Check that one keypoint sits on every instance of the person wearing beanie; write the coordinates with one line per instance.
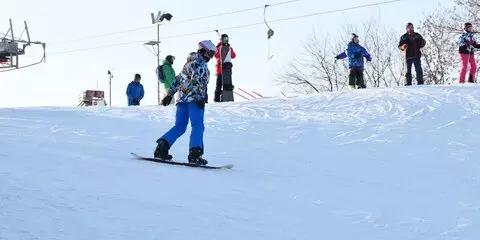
(224, 56)
(411, 44)
(355, 53)
(135, 91)
(467, 44)
(168, 74)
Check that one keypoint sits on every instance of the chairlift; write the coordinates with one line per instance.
(11, 49)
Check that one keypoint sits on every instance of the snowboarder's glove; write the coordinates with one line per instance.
(166, 100)
(206, 98)
(358, 55)
(136, 101)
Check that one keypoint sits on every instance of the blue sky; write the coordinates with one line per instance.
(64, 76)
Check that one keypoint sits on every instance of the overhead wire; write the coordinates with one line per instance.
(336, 10)
(240, 26)
(170, 23)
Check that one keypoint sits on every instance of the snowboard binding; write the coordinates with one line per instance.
(161, 151)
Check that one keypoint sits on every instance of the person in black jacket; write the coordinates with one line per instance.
(411, 43)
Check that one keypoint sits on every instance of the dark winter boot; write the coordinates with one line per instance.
(408, 80)
(360, 81)
(195, 156)
(162, 150)
(470, 78)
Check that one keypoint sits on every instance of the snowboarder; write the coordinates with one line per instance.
(411, 42)
(191, 84)
(135, 91)
(355, 53)
(467, 44)
(169, 75)
(224, 65)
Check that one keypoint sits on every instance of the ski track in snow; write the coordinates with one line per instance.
(397, 163)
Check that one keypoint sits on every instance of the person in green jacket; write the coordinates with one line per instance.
(169, 74)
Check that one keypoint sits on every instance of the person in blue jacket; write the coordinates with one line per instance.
(355, 53)
(135, 91)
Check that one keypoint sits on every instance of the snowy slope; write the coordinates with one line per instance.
(373, 164)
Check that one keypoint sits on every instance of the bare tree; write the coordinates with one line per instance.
(385, 69)
(440, 55)
(315, 71)
(466, 11)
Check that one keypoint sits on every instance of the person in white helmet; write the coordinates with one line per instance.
(191, 85)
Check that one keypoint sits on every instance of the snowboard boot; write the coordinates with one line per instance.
(195, 156)
(162, 150)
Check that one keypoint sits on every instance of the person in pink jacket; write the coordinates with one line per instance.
(467, 44)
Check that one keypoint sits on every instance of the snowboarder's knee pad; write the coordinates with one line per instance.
(228, 87)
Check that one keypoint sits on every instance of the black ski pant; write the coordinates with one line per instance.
(220, 85)
(418, 70)
(355, 78)
(218, 89)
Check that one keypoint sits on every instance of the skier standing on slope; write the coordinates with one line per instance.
(411, 42)
(355, 53)
(191, 84)
(467, 44)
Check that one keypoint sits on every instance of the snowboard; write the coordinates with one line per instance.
(227, 94)
(171, 162)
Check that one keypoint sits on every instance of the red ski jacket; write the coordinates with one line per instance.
(224, 54)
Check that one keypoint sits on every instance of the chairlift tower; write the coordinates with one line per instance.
(11, 49)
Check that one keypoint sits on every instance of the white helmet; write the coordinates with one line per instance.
(209, 48)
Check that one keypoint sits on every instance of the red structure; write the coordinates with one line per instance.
(92, 98)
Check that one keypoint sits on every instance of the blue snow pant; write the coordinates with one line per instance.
(186, 111)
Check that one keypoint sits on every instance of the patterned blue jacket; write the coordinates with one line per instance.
(467, 42)
(355, 54)
(191, 83)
